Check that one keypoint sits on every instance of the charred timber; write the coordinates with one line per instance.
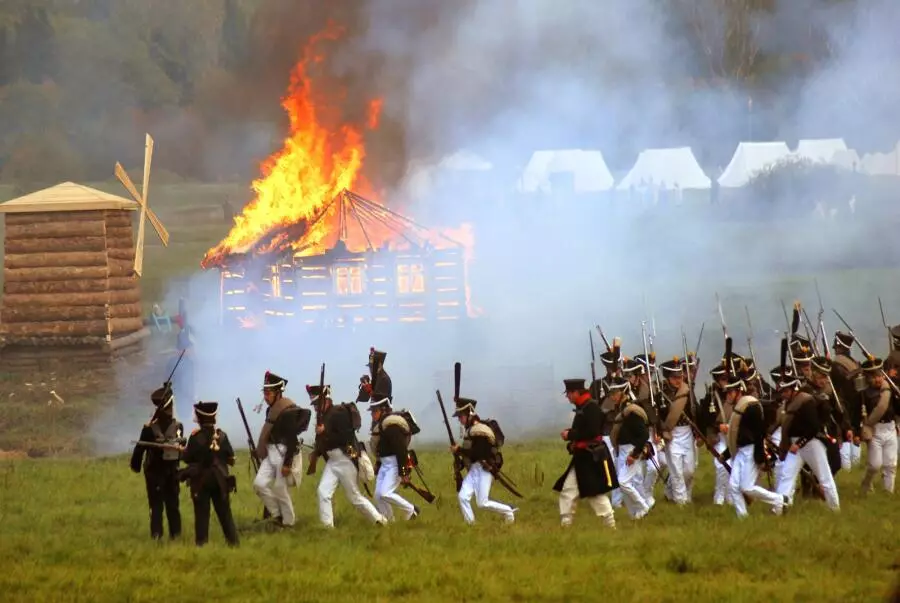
(66, 244)
(100, 298)
(55, 260)
(51, 230)
(13, 275)
(30, 314)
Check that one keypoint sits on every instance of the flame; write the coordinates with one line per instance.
(314, 165)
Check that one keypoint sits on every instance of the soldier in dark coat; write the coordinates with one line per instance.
(849, 382)
(380, 387)
(591, 473)
(161, 464)
(208, 455)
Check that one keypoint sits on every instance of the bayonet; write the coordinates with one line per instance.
(866, 352)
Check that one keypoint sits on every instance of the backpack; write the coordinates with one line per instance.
(408, 417)
(355, 418)
(499, 438)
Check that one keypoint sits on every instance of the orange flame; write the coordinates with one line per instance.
(313, 166)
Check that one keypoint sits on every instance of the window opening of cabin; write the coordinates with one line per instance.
(410, 278)
(341, 280)
(348, 280)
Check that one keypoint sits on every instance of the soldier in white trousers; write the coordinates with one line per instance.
(630, 438)
(799, 444)
(746, 445)
(677, 432)
(479, 451)
(878, 429)
(390, 438)
(277, 449)
(337, 426)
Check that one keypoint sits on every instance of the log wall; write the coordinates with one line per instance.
(69, 281)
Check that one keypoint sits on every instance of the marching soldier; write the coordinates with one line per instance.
(336, 429)
(380, 385)
(800, 351)
(611, 362)
(208, 456)
(481, 456)
(276, 449)
(391, 435)
(640, 382)
(835, 425)
(631, 440)
(849, 383)
(878, 428)
(712, 417)
(748, 451)
(591, 473)
(677, 432)
(800, 444)
(609, 411)
(160, 464)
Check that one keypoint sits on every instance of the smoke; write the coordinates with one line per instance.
(504, 79)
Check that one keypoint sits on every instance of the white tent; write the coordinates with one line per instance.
(821, 150)
(587, 168)
(670, 169)
(465, 161)
(750, 158)
(422, 176)
(849, 160)
(882, 164)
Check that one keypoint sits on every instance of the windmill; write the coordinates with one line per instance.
(146, 212)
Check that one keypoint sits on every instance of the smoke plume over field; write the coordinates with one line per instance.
(503, 79)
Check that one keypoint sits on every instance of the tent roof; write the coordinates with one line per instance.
(588, 168)
(669, 168)
(821, 149)
(750, 158)
(67, 196)
(465, 161)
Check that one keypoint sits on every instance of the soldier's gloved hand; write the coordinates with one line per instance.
(285, 470)
(723, 428)
(629, 460)
(794, 449)
(367, 387)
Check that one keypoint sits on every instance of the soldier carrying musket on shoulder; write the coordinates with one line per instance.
(712, 417)
(390, 438)
(635, 370)
(677, 431)
(878, 428)
(835, 424)
(631, 443)
(849, 383)
(591, 473)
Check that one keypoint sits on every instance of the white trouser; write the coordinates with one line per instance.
(651, 474)
(478, 483)
(779, 466)
(276, 497)
(722, 492)
(881, 456)
(744, 473)
(568, 498)
(682, 457)
(615, 495)
(813, 454)
(386, 483)
(630, 482)
(850, 455)
(339, 469)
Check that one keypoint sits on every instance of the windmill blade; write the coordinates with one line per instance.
(139, 248)
(158, 226)
(122, 175)
(154, 220)
(148, 158)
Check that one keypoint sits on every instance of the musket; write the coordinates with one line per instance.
(157, 445)
(254, 456)
(750, 348)
(426, 495)
(728, 357)
(699, 434)
(504, 481)
(457, 459)
(890, 382)
(603, 337)
(593, 358)
(319, 439)
(647, 362)
(699, 341)
(886, 326)
(789, 334)
(651, 358)
(821, 329)
(807, 326)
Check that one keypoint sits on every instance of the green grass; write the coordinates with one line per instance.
(77, 530)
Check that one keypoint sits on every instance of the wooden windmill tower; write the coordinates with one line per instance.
(146, 212)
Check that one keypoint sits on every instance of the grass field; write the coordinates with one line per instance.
(77, 530)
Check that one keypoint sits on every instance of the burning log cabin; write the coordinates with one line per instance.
(355, 262)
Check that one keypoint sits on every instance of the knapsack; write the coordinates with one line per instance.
(408, 417)
(499, 438)
(355, 418)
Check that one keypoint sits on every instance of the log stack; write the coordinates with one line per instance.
(69, 291)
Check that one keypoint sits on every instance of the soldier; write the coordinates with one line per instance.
(800, 351)
(712, 418)
(480, 454)
(639, 381)
(631, 439)
(380, 385)
(748, 451)
(277, 448)
(878, 429)
(717, 435)
(608, 411)
(835, 425)
(849, 383)
(391, 435)
(611, 362)
(799, 443)
(208, 456)
(677, 432)
(161, 464)
(591, 473)
(336, 431)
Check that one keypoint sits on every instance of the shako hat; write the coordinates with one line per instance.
(315, 393)
(775, 373)
(618, 384)
(690, 361)
(574, 385)
(633, 366)
(718, 371)
(788, 381)
(642, 360)
(376, 358)
(609, 358)
(467, 405)
(895, 337)
(273, 381)
(206, 411)
(845, 340)
(734, 382)
(747, 371)
(163, 396)
(672, 367)
(821, 364)
(872, 365)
